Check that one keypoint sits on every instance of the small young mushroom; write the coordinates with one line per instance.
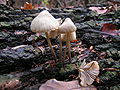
(72, 37)
(67, 28)
(88, 72)
(54, 33)
(45, 23)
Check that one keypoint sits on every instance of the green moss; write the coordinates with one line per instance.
(4, 78)
(4, 24)
(117, 66)
(116, 87)
(28, 19)
(67, 68)
(109, 78)
(106, 63)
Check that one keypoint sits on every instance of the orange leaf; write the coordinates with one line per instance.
(73, 41)
(27, 6)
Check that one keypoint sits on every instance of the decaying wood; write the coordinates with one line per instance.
(117, 38)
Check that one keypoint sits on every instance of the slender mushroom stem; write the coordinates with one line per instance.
(65, 51)
(67, 47)
(50, 45)
(68, 43)
(60, 47)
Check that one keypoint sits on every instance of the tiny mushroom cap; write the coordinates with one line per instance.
(71, 38)
(88, 73)
(67, 26)
(44, 22)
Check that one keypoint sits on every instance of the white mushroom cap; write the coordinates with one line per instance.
(88, 73)
(44, 22)
(71, 38)
(67, 26)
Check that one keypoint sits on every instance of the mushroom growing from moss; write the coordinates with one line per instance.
(45, 23)
(88, 72)
(66, 29)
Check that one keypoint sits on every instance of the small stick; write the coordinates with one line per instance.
(65, 51)
(60, 47)
(50, 45)
(109, 69)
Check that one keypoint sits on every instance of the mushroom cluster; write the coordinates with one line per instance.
(66, 31)
(46, 23)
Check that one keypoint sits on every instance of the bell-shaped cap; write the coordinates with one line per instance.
(72, 36)
(44, 22)
(88, 73)
(67, 26)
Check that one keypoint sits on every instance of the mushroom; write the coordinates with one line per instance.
(45, 23)
(72, 37)
(54, 33)
(88, 72)
(67, 28)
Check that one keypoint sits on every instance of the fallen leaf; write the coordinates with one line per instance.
(54, 84)
(27, 6)
(98, 10)
(109, 28)
(73, 41)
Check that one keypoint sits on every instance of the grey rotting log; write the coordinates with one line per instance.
(102, 33)
(19, 56)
